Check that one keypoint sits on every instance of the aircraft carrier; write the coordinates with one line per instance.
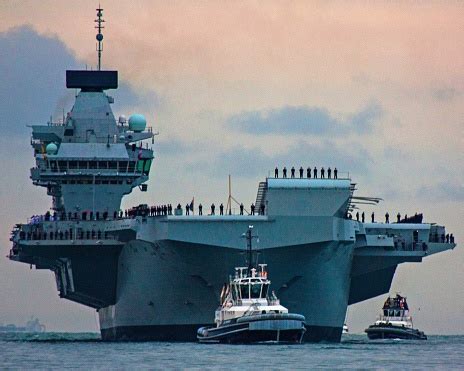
(158, 275)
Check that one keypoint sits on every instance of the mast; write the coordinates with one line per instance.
(249, 237)
(99, 36)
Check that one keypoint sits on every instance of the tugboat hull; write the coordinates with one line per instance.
(279, 328)
(393, 332)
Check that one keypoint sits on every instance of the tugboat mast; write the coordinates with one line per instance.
(249, 237)
(99, 36)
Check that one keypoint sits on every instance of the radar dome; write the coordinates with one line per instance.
(137, 122)
(51, 149)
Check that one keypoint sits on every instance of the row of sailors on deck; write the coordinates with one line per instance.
(387, 217)
(308, 173)
(189, 209)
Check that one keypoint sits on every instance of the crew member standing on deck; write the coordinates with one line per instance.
(315, 172)
(276, 172)
(241, 209)
(213, 207)
(252, 209)
(187, 208)
(293, 172)
(200, 209)
(329, 173)
(301, 171)
(221, 209)
(335, 173)
(372, 217)
(308, 172)
(357, 216)
(284, 172)
(387, 217)
(322, 173)
(363, 217)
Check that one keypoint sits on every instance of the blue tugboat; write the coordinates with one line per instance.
(395, 322)
(248, 314)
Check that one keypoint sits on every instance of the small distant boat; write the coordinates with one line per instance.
(33, 325)
(395, 322)
(248, 314)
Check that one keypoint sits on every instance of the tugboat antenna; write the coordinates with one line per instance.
(99, 36)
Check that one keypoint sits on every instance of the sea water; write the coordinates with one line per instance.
(71, 350)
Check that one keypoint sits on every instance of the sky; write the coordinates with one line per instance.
(239, 87)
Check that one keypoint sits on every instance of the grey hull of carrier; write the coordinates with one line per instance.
(156, 277)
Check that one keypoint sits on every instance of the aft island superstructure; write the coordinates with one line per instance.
(158, 277)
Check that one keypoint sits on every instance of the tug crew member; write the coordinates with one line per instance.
(276, 172)
(398, 217)
(200, 209)
(308, 172)
(241, 209)
(372, 217)
(301, 172)
(335, 173)
(322, 173)
(284, 171)
(213, 207)
(252, 209)
(315, 172)
(387, 217)
(221, 209)
(329, 173)
(357, 216)
(362, 217)
(293, 172)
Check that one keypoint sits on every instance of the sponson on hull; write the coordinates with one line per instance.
(395, 322)
(248, 314)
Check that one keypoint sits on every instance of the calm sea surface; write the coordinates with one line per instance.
(70, 350)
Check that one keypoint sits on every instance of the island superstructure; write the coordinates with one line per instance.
(158, 277)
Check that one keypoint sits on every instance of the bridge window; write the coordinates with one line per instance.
(131, 168)
(62, 165)
(255, 290)
(83, 164)
(72, 164)
(245, 291)
(113, 165)
(122, 166)
(92, 164)
(102, 164)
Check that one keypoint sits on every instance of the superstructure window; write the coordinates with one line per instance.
(72, 164)
(113, 165)
(102, 164)
(62, 165)
(122, 166)
(92, 164)
(82, 164)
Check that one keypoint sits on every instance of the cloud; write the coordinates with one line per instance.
(306, 120)
(446, 94)
(251, 162)
(32, 75)
(444, 191)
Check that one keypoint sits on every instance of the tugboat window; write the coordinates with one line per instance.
(255, 290)
(265, 290)
(245, 291)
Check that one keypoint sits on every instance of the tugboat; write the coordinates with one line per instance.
(395, 323)
(248, 314)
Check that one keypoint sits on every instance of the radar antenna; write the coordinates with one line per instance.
(99, 36)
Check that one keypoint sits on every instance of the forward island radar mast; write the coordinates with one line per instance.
(99, 36)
